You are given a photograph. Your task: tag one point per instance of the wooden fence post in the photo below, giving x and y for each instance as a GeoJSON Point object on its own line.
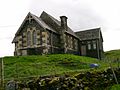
{"type": "Point", "coordinates": [1, 73]}
{"type": "Point", "coordinates": [114, 74]}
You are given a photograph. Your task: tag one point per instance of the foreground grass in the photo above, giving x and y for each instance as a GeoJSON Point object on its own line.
{"type": "Point", "coordinates": [115, 87]}
{"type": "Point", "coordinates": [26, 66]}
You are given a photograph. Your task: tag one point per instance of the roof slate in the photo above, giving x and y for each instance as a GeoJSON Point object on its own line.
{"type": "Point", "coordinates": [89, 34]}
{"type": "Point", "coordinates": [55, 25]}
{"type": "Point", "coordinates": [42, 23]}
{"type": "Point", "coordinates": [44, 15]}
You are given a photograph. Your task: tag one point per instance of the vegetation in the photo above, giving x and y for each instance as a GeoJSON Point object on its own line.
{"type": "Point", "coordinates": [100, 80]}
{"type": "Point", "coordinates": [115, 87]}
{"type": "Point", "coordinates": [60, 64]}
{"type": "Point", "coordinates": [26, 66]}
{"type": "Point", "coordinates": [113, 54]}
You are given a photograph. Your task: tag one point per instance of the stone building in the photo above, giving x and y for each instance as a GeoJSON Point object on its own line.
{"type": "Point", "coordinates": [47, 35]}
{"type": "Point", "coordinates": [91, 43]}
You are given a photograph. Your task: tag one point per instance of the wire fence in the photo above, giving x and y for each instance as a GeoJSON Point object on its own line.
{"type": "Point", "coordinates": [17, 76]}
{"type": "Point", "coordinates": [7, 82]}
{"type": "Point", "coordinates": [13, 73]}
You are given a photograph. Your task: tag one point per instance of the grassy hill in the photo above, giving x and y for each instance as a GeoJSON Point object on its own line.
{"type": "Point", "coordinates": [114, 54]}
{"type": "Point", "coordinates": [58, 64]}
{"type": "Point", "coordinates": [26, 66]}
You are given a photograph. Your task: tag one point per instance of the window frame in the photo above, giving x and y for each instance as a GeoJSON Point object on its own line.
{"type": "Point", "coordinates": [89, 46]}
{"type": "Point", "coordinates": [34, 37]}
{"type": "Point", "coordinates": [28, 38]}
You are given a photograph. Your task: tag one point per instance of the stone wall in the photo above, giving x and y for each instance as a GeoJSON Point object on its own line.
{"type": "Point", "coordinates": [95, 80]}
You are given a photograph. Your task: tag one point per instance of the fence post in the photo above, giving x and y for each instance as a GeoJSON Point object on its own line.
{"type": "Point", "coordinates": [1, 73]}
{"type": "Point", "coordinates": [114, 74]}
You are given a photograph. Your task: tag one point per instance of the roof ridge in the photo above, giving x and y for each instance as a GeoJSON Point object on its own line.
{"type": "Point", "coordinates": [58, 22]}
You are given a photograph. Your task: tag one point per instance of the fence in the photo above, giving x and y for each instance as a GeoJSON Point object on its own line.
{"type": "Point", "coordinates": [1, 73]}
{"type": "Point", "coordinates": [7, 83]}
{"type": "Point", "coordinates": [17, 75]}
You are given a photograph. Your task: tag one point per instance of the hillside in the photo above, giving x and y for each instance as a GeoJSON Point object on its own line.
{"type": "Point", "coordinates": [114, 54]}
{"type": "Point", "coordinates": [70, 67]}
{"type": "Point", "coordinates": [27, 66]}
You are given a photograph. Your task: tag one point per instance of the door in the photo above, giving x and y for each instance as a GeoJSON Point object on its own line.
{"type": "Point", "coordinates": [83, 50]}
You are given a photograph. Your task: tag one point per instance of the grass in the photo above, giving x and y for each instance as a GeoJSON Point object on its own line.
{"type": "Point", "coordinates": [56, 64]}
{"type": "Point", "coordinates": [113, 54]}
{"type": "Point", "coordinates": [115, 87]}
{"type": "Point", "coordinates": [25, 66]}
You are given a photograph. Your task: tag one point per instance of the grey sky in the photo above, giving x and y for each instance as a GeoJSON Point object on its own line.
{"type": "Point", "coordinates": [82, 14]}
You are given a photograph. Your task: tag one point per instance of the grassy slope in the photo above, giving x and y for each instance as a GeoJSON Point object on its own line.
{"type": "Point", "coordinates": [25, 66]}
{"type": "Point", "coordinates": [113, 54]}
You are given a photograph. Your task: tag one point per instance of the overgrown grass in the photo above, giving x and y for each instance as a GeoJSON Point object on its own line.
{"type": "Point", "coordinates": [26, 66]}
{"type": "Point", "coordinates": [56, 64]}
{"type": "Point", "coordinates": [115, 87]}
{"type": "Point", "coordinates": [113, 54]}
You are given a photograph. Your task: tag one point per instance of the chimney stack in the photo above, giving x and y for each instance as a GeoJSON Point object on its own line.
{"type": "Point", "coordinates": [63, 22]}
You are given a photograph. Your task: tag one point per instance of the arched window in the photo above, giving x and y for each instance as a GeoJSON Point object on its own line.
{"type": "Point", "coordinates": [28, 38]}
{"type": "Point", "coordinates": [34, 38]}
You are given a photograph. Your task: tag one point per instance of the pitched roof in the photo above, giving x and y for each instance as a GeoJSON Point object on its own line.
{"type": "Point", "coordinates": [45, 16]}
{"type": "Point", "coordinates": [44, 21]}
{"type": "Point", "coordinates": [89, 34]}
{"type": "Point", "coordinates": [38, 20]}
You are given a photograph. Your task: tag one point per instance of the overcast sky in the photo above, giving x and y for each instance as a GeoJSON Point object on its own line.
{"type": "Point", "coordinates": [82, 14]}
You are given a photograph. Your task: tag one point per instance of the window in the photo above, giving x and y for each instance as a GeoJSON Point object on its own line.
{"type": "Point", "coordinates": [94, 45]}
{"type": "Point", "coordinates": [89, 46]}
{"type": "Point", "coordinates": [34, 38]}
{"type": "Point", "coordinates": [28, 38]}
{"type": "Point", "coordinates": [76, 44]}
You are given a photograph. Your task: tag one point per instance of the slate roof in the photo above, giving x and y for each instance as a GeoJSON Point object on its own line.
{"type": "Point", "coordinates": [90, 34]}
{"type": "Point", "coordinates": [69, 30]}
{"type": "Point", "coordinates": [42, 22]}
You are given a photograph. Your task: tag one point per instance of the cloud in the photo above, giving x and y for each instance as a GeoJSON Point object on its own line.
{"type": "Point", "coordinates": [80, 14]}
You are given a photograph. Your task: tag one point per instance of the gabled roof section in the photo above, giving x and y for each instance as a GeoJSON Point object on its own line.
{"type": "Point", "coordinates": [42, 23]}
{"type": "Point", "coordinates": [45, 16]}
{"type": "Point", "coordinates": [38, 20]}
{"type": "Point", "coordinates": [90, 34]}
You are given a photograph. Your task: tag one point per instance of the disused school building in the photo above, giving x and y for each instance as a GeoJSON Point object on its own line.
{"type": "Point", "coordinates": [47, 35]}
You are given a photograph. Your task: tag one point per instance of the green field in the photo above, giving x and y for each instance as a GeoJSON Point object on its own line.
{"type": "Point", "coordinates": [56, 64]}
{"type": "Point", "coordinates": [26, 66]}
{"type": "Point", "coordinates": [113, 54]}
